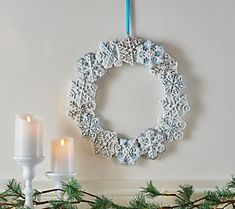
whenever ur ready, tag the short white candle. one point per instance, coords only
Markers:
(62, 155)
(28, 136)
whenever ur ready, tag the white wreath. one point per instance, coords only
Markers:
(93, 66)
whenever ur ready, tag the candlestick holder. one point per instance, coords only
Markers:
(58, 179)
(28, 165)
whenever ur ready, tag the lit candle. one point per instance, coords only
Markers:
(62, 155)
(28, 136)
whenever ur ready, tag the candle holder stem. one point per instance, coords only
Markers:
(59, 193)
(58, 179)
(28, 174)
(28, 165)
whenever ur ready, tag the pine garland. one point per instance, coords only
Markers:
(220, 198)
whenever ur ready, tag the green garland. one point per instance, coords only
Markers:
(220, 198)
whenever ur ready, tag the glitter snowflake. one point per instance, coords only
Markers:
(75, 111)
(169, 64)
(151, 143)
(89, 68)
(167, 67)
(150, 54)
(173, 83)
(127, 151)
(175, 105)
(172, 127)
(156, 73)
(127, 49)
(106, 143)
(90, 125)
(83, 92)
(108, 55)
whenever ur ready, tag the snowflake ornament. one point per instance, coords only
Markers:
(108, 55)
(173, 84)
(106, 143)
(90, 125)
(169, 65)
(93, 67)
(127, 49)
(151, 143)
(89, 68)
(172, 127)
(75, 110)
(150, 54)
(127, 151)
(83, 92)
(175, 105)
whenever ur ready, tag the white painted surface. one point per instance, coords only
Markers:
(40, 42)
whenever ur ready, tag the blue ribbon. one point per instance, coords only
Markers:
(128, 16)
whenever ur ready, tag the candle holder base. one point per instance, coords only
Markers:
(58, 179)
(28, 165)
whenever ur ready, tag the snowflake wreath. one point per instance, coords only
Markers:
(93, 66)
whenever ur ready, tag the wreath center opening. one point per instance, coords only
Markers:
(128, 95)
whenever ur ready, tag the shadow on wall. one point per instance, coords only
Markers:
(194, 86)
(193, 91)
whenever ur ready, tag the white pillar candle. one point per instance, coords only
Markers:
(62, 155)
(28, 136)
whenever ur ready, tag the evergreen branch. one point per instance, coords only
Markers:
(150, 190)
(199, 199)
(224, 193)
(231, 183)
(140, 201)
(226, 205)
(89, 194)
(14, 188)
(220, 198)
(69, 202)
(73, 189)
(102, 202)
(6, 203)
(184, 196)
(51, 190)
(56, 190)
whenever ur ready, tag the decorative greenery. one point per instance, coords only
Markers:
(74, 196)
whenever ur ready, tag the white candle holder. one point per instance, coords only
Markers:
(58, 179)
(28, 165)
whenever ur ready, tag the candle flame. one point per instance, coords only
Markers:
(62, 142)
(28, 119)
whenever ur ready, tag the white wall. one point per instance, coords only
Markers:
(40, 42)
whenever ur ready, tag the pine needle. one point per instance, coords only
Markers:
(150, 190)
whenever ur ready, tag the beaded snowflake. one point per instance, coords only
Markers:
(127, 151)
(109, 55)
(106, 143)
(89, 68)
(150, 54)
(82, 102)
(151, 143)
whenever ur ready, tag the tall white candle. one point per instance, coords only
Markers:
(28, 136)
(62, 155)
